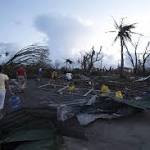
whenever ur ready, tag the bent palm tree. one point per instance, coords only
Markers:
(30, 55)
(124, 33)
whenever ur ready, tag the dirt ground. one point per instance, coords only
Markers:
(130, 133)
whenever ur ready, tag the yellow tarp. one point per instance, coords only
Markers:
(118, 95)
(71, 88)
(104, 89)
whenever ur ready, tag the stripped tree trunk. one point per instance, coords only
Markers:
(122, 58)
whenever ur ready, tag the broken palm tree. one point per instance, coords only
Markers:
(30, 55)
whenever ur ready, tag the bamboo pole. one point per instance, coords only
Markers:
(62, 89)
(88, 92)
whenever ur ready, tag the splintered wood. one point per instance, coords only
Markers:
(62, 89)
(88, 92)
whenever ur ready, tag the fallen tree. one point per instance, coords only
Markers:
(33, 57)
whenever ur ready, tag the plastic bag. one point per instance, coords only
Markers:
(104, 89)
(71, 88)
(15, 103)
(119, 95)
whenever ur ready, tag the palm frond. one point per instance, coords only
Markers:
(116, 38)
(111, 31)
(122, 20)
(115, 23)
(136, 33)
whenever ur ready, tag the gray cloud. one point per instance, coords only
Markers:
(64, 33)
(109, 60)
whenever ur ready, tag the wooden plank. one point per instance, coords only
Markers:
(62, 89)
(88, 92)
(51, 84)
(44, 85)
(57, 85)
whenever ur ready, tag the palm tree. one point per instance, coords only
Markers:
(68, 63)
(124, 33)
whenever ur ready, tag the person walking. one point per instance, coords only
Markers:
(22, 77)
(54, 75)
(40, 72)
(3, 85)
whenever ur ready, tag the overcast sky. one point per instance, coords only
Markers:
(70, 26)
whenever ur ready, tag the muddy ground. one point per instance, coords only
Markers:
(130, 133)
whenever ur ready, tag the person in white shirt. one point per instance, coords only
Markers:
(3, 83)
(69, 76)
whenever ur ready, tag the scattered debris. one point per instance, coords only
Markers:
(76, 104)
(44, 85)
(96, 107)
(85, 119)
(88, 92)
(21, 130)
(138, 98)
(85, 78)
(62, 89)
(142, 79)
